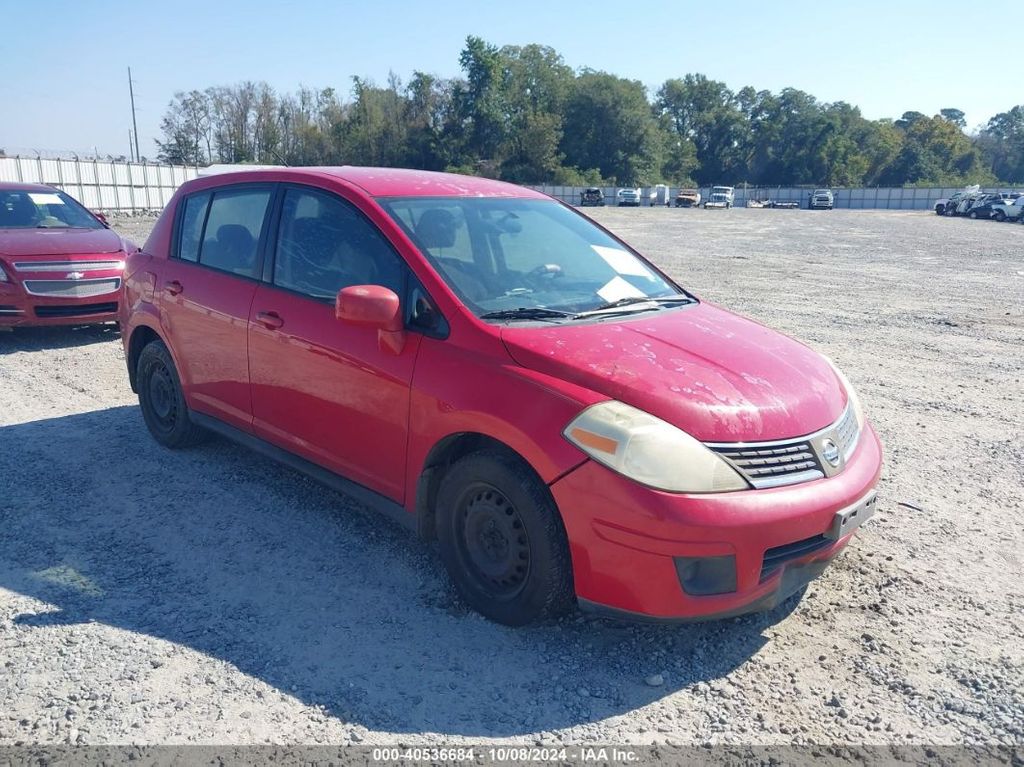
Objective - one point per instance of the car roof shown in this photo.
(380, 182)
(17, 186)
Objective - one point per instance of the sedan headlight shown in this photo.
(851, 393)
(3, 275)
(650, 451)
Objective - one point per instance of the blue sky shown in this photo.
(65, 72)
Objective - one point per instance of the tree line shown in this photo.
(521, 114)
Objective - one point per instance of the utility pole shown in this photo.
(135, 127)
(131, 150)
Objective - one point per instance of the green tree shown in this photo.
(609, 126)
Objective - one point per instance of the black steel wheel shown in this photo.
(502, 540)
(492, 540)
(162, 400)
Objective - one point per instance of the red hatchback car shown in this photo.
(506, 376)
(59, 263)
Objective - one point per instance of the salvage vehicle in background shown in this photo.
(60, 264)
(985, 206)
(1009, 211)
(491, 367)
(720, 197)
(628, 196)
(592, 196)
(688, 198)
(821, 199)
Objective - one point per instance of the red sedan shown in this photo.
(506, 376)
(59, 263)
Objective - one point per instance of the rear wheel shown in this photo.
(162, 400)
(999, 216)
(972, 214)
(502, 541)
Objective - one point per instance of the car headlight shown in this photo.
(3, 275)
(650, 451)
(851, 393)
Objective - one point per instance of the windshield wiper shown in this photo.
(624, 302)
(525, 313)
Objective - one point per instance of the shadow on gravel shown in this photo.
(57, 337)
(218, 550)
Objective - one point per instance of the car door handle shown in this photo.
(269, 320)
(173, 287)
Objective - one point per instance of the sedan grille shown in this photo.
(802, 459)
(67, 266)
(770, 466)
(847, 432)
(76, 310)
(72, 288)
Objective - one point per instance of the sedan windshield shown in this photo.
(24, 209)
(506, 257)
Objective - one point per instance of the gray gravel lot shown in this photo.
(211, 596)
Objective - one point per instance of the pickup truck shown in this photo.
(720, 197)
(628, 196)
(822, 199)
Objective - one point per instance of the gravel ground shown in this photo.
(211, 596)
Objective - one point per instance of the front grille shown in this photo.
(67, 266)
(72, 288)
(787, 462)
(847, 432)
(772, 465)
(82, 310)
(780, 555)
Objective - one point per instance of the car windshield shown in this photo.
(509, 254)
(49, 209)
(720, 190)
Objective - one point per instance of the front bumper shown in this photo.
(627, 540)
(21, 308)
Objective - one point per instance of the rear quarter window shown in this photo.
(192, 219)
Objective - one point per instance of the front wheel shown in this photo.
(999, 216)
(162, 400)
(502, 540)
(972, 214)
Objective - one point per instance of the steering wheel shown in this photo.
(544, 272)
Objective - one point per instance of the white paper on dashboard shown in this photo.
(621, 261)
(617, 289)
(45, 198)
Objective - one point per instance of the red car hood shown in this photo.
(58, 242)
(717, 376)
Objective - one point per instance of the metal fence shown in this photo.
(101, 185)
(130, 187)
(874, 198)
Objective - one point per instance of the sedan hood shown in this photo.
(717, 376)
(58, 242)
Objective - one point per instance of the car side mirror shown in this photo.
(373, 306)
(101, 218)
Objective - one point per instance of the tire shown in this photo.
(999, 216)
(939, 210)
(162, 400)
(972, 214)
(502, 540)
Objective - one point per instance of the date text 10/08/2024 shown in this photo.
(507, 754)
